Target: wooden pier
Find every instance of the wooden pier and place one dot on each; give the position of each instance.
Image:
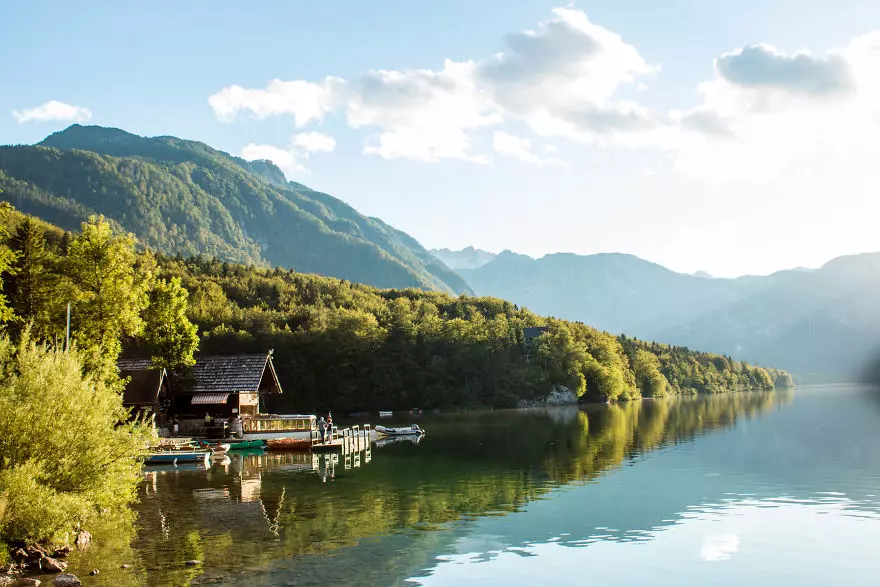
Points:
(355, 439)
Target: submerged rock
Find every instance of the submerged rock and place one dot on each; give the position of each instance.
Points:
(66, 580)
(192, 563)
(94, 572)
(28, 582)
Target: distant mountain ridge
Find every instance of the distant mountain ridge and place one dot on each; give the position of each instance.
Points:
(467, 258)
(181, 196)
(822, 324)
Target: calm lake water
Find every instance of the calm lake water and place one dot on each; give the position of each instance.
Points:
(742, 489)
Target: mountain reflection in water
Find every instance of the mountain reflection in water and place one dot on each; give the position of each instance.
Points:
(483, 487)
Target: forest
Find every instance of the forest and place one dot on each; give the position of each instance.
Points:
(346, 346)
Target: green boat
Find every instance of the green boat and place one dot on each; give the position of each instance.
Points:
(246, 444)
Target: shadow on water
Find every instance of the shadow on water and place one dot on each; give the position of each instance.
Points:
(292, 518)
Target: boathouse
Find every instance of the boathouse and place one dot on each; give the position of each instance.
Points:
(225, 385)
(530, 335)
(219, 386)
(148, 388)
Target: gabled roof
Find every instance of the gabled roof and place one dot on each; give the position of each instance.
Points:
(230, 374)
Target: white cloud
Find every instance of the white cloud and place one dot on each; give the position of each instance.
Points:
(770, 116)
(291, 160)
(560, 79)
(53, 110)
(514, 146)
(285, 159)
(764, 115)
(314, 142)
(305, 101)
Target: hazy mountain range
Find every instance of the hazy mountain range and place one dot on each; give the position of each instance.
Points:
(821, 324)
(184, 197)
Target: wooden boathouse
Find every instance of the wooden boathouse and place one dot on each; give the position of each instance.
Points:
(216, 386)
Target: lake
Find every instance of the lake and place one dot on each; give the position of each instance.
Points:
(738, 489)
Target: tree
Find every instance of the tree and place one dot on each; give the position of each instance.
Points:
(166, 328)
(30, 288)
(111, 292)
(7, 259)
(650, 380)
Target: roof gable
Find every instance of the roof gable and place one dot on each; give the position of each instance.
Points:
(230, 374)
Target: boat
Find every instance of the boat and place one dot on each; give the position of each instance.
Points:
(178, 456)
(215, 448)
(289, 443)
(385, 414)
(413, 430)
(247, 444)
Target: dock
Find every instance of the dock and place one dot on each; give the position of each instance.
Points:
(351, 440)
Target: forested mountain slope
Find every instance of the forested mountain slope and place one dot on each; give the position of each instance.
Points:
(184, 197)
(822, 325)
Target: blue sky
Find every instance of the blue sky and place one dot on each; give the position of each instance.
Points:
(701, 135)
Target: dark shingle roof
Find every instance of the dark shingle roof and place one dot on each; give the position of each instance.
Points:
(229, 374)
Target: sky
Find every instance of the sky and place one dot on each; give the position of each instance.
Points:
(731, 137)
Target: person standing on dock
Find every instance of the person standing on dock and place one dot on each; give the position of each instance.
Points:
(321, 429)
(329, 427)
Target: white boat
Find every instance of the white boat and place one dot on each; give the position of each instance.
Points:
(413, 430)
(384, 414)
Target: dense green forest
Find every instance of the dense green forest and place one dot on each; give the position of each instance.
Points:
(183, 197)
(347, 346)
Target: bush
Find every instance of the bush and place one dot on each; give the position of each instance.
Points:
(67, 451)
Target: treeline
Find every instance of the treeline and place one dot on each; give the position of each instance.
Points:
(351, 347)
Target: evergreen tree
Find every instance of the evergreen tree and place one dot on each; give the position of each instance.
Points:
(7, 259)
(30, 288)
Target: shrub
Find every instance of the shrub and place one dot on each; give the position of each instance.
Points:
(67, 449)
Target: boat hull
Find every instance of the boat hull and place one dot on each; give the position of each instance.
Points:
(382, 430)
(172, 457)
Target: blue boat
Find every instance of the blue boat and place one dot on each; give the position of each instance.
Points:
(174, 457)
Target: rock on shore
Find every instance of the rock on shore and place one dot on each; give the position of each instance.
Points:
(559, 396)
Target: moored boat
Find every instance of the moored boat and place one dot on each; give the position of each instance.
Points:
(271, 426)
(385, 414)
(247, 444)
(178, 456)
(413, 430)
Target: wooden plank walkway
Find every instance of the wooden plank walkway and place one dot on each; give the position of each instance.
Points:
(348, 440)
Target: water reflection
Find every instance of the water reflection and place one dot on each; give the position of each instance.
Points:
(573, 477)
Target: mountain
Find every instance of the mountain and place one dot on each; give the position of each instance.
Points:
(822, 325)
(467, 258)
(180, 196)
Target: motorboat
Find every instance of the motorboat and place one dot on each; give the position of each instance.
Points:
(413, 430)
(385, 413)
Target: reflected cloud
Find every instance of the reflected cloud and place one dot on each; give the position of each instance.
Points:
(719, 547)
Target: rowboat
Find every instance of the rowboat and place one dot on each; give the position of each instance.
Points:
(178, 456)
(413, 430)
(289, 443)
(246, 444)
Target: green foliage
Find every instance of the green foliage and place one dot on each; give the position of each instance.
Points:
(646, 368)
(183, 197)
(36, 299)
(111, 291)
(66, 450)
(167, 330)
(7, 259)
